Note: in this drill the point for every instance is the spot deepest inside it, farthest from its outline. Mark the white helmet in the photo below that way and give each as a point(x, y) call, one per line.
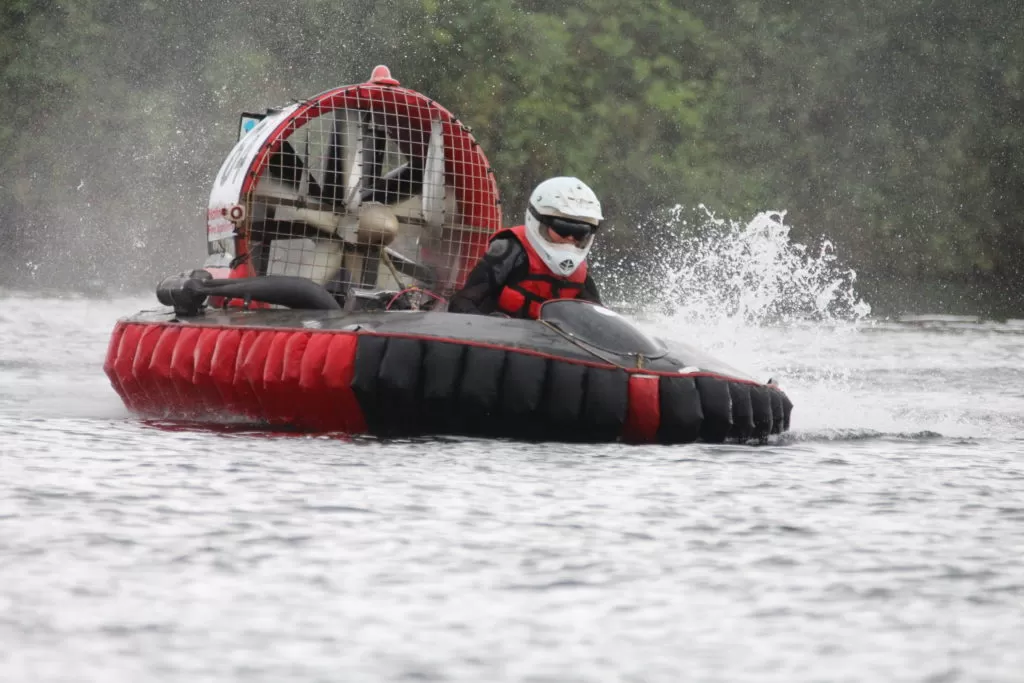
point(569, 208)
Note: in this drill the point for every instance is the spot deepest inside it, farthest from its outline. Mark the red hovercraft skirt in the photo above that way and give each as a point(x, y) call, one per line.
point(401, 374)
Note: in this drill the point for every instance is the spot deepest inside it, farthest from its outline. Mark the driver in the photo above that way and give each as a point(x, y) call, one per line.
point(541, 260)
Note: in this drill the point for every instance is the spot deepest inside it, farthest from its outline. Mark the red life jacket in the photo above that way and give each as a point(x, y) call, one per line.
point(522, 299)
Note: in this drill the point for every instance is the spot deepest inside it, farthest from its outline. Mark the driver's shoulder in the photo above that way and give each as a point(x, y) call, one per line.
point(505, 248)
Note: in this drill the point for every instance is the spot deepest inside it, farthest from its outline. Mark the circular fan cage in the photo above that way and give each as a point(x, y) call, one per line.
point(368, 188)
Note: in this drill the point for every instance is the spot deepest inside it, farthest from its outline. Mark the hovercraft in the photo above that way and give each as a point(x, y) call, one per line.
point(337, 228)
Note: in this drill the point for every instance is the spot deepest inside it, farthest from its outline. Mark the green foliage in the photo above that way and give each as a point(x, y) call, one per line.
point(867, 118)
point(894, 128)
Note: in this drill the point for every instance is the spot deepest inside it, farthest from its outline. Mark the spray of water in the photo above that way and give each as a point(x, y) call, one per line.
point(708, 271)
point(747, 292)
point(752, 295)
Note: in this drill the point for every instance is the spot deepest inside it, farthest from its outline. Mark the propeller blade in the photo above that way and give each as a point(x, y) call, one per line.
point(307, 177)
point(343, 166)
point(433, 178)
point(292, 205)
point(334, 165)
point(354, 144)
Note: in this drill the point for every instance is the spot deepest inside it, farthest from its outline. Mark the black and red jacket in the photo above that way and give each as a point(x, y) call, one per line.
point(512, 279)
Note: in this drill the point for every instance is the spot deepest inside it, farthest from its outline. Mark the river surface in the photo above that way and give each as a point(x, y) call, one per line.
point(881, 540)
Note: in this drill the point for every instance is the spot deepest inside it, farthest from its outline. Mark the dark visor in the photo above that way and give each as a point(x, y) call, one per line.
point(565, 226)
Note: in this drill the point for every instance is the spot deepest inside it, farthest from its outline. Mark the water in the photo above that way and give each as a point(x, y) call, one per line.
point(881, 540)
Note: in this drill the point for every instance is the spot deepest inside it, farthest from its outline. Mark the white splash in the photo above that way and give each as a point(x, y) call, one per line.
point(713, 271)
point(749, 294)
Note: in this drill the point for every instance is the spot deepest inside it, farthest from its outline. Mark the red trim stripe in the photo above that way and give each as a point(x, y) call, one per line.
point(644, 412)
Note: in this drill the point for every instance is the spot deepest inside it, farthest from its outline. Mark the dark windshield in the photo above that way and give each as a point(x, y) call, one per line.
point(599, 327)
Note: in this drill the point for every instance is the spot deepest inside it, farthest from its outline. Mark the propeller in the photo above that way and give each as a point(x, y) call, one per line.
point(433, 178)
point(355, 129)
point(329, 193)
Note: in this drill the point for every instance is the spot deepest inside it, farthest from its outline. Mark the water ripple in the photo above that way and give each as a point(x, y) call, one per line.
point(880, 541)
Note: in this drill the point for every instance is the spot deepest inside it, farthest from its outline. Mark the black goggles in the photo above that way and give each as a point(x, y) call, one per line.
point(565, 227)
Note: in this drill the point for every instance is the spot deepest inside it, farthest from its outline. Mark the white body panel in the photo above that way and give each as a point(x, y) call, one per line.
point(227, 187)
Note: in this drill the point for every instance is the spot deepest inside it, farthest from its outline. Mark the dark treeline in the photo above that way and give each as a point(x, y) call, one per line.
point(893, 127)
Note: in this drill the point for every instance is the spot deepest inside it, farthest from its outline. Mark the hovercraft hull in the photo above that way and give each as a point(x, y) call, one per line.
point(430, 373)
point(361, 211)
